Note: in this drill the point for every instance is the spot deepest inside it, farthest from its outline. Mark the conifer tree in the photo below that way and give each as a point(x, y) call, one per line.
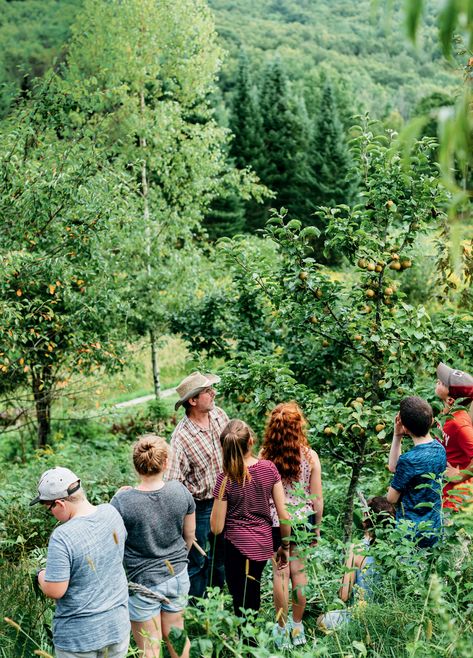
point(226, 216)
point(330, 164)
point(245, 121)
point(285, 143)
point(247, 148)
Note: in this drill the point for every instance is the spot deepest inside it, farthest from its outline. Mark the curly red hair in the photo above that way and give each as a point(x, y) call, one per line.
point(285, 438)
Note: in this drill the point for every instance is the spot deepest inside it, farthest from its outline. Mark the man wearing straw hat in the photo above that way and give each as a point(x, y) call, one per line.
point(196, 460)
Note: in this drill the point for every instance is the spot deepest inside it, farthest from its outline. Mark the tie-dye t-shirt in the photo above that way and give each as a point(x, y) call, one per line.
point(418, 478)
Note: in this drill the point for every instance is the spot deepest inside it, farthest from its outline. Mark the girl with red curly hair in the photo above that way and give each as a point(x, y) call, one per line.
point(285, 444)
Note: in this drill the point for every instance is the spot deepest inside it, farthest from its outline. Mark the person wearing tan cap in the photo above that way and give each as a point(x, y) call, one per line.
point(196, 460)
point(455, 387)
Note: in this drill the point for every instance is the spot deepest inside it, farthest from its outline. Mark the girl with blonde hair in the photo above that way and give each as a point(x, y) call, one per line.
point(285, 445)
point(241, 508)
point(159, 518)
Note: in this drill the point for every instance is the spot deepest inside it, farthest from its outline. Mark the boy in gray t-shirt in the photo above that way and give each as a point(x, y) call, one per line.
point(84, 571)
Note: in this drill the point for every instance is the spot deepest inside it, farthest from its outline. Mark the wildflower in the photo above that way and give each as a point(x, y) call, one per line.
point(12, 623)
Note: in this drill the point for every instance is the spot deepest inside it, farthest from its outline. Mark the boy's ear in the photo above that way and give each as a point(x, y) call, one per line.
point(404, 428)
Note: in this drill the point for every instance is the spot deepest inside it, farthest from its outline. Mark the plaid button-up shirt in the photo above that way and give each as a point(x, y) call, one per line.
point(196, 454)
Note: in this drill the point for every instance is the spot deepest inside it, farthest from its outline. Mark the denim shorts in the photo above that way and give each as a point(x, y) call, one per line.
point(175, 589)
point(118, 650)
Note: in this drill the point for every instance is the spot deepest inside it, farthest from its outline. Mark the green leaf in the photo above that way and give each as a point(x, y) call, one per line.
point(201, 648)
point(360, 647)
point(413, 13)
point(448, 20)
point(177, 638)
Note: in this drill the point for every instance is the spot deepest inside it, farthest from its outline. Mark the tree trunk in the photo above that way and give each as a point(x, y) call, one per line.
point(146, 218)
point(154, 360)
point(348, 513)
point(42, 392)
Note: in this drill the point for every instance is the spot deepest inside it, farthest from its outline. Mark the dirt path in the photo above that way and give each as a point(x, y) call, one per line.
point(145, 398)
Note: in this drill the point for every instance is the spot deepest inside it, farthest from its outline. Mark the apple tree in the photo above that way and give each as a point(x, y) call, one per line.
point(62, 205)
point(351, 339)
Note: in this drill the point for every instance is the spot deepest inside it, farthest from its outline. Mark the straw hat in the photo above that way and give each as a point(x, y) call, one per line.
point(193, 385)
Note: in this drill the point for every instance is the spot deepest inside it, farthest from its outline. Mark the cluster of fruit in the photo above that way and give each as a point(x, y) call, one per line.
point(373, 291)
point(395, 263)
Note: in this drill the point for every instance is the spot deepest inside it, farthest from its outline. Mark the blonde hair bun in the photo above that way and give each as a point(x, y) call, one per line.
point(150, 454)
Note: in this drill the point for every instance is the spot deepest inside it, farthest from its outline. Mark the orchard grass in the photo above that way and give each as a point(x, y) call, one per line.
point(420, 609)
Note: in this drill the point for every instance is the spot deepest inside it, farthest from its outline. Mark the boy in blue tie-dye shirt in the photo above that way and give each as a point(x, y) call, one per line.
point(416, 487)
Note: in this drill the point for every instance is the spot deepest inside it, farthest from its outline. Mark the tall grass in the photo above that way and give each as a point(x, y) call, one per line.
point(422, 607)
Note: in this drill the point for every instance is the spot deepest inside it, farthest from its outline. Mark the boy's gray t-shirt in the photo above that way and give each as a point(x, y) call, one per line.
point(88, 551)
point(154, 522)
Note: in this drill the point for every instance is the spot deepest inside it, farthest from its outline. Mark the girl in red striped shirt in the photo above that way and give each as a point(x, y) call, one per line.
point(242, 509)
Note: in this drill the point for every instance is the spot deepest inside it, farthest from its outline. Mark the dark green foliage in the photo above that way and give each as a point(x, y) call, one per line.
point(245, 120)
point(225, 217)
point(331, 169)
point(177, 638)
point(285, 136)
point(202, 323)
point(32, 37)
point(429, 107)
point(247, 146)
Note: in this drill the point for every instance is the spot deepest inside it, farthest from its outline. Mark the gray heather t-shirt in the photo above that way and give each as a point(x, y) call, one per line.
point(88, 551)
point(154, 521)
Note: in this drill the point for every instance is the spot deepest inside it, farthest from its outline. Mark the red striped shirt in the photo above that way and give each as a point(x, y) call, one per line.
point(248, 520)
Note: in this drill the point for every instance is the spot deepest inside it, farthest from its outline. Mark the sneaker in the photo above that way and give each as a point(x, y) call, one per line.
point(298, 634)
point(281, 637)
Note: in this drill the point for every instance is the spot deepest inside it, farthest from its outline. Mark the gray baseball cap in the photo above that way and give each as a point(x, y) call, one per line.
point(56, 483)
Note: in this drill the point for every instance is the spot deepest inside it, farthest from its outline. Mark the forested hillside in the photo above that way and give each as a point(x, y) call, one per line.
point(363, 45)
point(33, 34)
point(363, 42)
